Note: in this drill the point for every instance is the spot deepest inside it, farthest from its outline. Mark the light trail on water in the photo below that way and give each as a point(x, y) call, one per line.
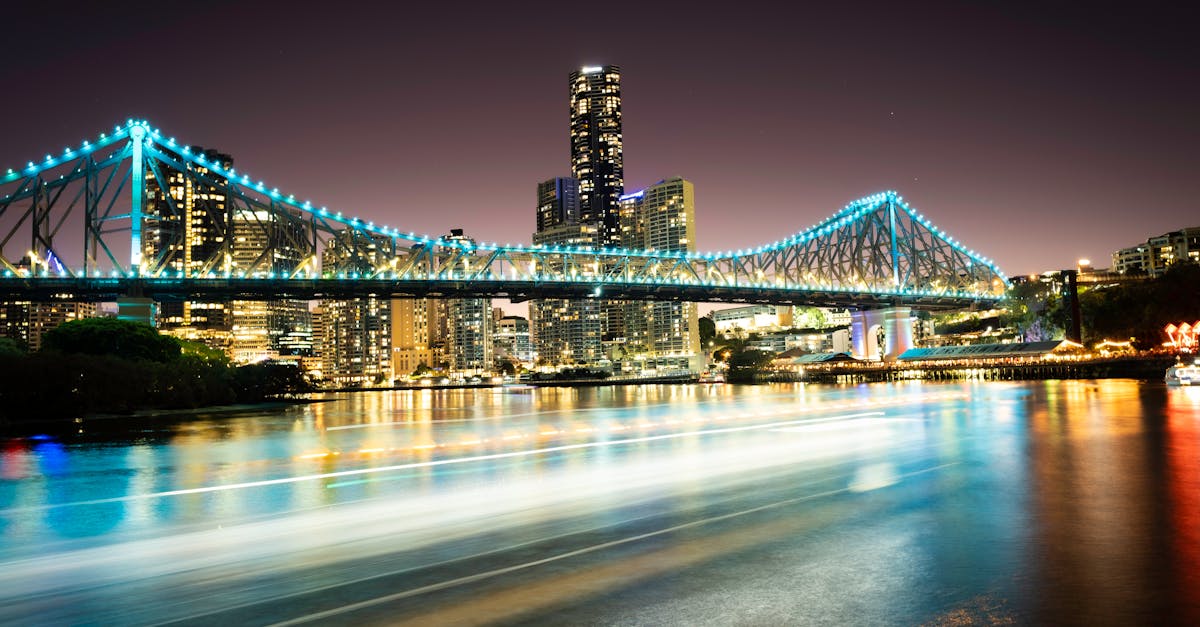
point(443, 462)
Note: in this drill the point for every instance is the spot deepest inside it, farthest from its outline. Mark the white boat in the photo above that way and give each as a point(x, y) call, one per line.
point(1182, 374)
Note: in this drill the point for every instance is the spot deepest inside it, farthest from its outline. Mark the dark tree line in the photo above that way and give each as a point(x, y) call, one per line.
point(110, 366)
point(1141, 310)
point(1138, 310)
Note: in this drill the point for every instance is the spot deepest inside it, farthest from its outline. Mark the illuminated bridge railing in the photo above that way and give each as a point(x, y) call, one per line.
point(108, 195)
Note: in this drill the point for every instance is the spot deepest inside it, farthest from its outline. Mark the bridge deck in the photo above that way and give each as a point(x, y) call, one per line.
point(218, 289)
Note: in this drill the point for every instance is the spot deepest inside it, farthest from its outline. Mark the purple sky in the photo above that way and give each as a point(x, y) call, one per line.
point(1035, 136)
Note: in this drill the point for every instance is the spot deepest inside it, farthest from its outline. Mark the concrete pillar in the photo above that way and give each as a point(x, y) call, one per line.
point(862, 333)
point(897, 329)
point(858, 333)
point(896, 323)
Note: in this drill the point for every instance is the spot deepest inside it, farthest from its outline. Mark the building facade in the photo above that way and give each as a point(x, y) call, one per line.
point(661, 335)
point(266, 243)
point(413, 321)
point(597, 157)
point(740, 321)
point(557, 202)
point(511, 340)
point(468, 326)
point(567, 332)
point(26, 321)
point(1158, 253)
point(185, 232)
point(356, 347)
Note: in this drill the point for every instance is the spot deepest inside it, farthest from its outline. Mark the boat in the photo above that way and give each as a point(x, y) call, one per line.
point(1183, 374)
point(711, 377)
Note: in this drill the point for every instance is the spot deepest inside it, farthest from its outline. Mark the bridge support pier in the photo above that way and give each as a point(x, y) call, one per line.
point(894, 322)
point(137, 309)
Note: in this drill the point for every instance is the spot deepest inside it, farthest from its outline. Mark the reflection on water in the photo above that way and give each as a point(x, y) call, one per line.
point(1182, 447)
point(1055, 501)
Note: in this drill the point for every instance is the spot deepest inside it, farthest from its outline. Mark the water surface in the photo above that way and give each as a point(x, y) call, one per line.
point(1049, 502)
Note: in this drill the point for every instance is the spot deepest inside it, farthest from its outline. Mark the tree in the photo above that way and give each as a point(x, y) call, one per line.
point(9, 346)
point(746, 365)
point(256, 382)
point(203, 352)
point(110, 336)
point(1035, 310)
point(1141, 309)
point(708, 330)
point(421, 370)
point(810, 318)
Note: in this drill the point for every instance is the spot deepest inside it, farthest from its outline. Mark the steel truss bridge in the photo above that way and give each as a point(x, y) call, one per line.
point(103, 220)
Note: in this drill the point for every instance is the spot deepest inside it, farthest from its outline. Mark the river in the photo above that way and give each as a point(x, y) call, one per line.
point(1074, 502)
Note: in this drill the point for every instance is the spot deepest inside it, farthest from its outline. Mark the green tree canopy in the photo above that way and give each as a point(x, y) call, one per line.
point(9, 346)
point(203, 352)
point(110, 336)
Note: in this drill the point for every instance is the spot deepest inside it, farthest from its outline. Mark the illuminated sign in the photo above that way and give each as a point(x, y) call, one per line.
point(1184, 336)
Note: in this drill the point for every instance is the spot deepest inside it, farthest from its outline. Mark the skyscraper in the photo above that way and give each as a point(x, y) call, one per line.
point(414, 320)
point(567, 331)
point(469, 322)
point(267, 329)
point(582, 211)
point(185, 232)
point(597, 160)
point(662, 334)
point(357, 344)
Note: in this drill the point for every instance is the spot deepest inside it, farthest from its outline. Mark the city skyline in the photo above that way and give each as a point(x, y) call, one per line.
point(806, 329)
point(797, 137)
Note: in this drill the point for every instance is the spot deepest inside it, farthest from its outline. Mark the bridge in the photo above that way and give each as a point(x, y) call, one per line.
point(115, 217)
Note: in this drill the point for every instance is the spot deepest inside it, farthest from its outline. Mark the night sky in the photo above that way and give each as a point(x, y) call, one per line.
point(1035, 135)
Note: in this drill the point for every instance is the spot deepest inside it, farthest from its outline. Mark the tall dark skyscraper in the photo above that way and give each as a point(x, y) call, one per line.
point(597, 158)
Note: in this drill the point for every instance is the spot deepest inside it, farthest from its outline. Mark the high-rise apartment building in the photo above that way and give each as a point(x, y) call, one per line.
point(267, 243)
point(1158, 253)
point(662, 334)
point(597, 159)
point(582, 210)
point(315, 363)
point(469, 323)
point(414, 321)
point(511, 341)
point(184, 233)
point(567, 332)
point(192, 228)
point(26, 321)
point(357, 343)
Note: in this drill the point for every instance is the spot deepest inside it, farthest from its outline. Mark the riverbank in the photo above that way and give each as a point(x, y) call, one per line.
point(549, 383)
point(1144, 368)
point(144, 418)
